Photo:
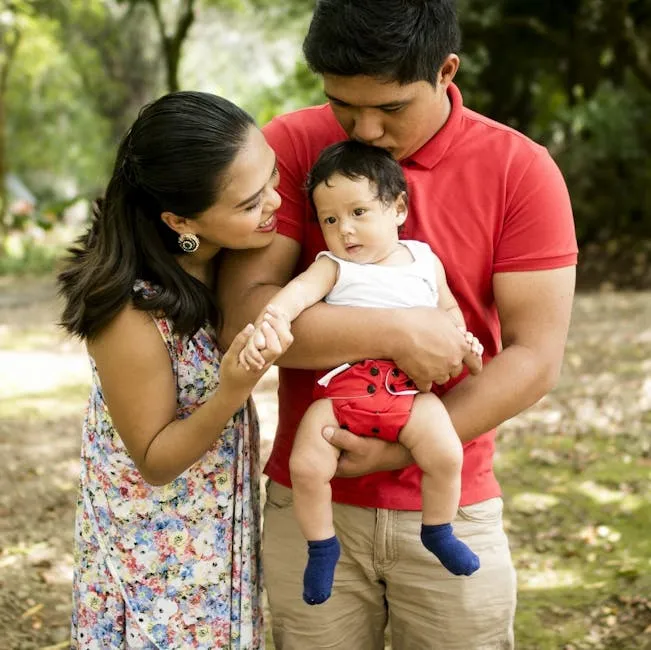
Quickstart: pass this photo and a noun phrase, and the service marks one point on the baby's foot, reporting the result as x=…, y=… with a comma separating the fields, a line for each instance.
x=454, y=555
x=320, y=570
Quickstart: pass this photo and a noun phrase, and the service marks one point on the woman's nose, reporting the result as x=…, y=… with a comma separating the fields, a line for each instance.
x=273, y=201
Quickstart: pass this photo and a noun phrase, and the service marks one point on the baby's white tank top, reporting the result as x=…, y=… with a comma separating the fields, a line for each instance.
x=374, y=285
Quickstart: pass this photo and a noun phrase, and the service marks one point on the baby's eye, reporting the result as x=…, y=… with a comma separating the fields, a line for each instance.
x=330, y=220
x=358, y=212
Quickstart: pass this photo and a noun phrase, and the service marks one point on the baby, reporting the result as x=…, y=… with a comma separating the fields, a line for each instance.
x=359, y=195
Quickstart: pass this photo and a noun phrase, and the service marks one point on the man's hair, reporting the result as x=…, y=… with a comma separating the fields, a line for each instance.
x=395, y=40
x=356, y=160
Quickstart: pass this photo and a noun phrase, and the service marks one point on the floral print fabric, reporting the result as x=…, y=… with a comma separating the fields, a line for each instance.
x=175, y=566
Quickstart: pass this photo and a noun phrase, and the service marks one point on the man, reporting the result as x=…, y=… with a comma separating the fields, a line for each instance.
x=494, y=207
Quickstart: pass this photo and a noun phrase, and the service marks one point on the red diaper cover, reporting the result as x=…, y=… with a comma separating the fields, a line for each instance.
x=363, y=400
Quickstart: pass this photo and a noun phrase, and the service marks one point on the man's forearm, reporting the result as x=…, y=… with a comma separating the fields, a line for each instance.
x=513, y=381
x=324, y=336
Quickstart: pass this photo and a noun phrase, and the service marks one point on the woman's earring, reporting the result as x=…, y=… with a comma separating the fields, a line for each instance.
x=188, y=242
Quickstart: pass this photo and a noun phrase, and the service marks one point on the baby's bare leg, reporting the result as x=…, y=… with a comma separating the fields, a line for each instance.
x=312, y=465
x=436, y=448
x=430, y=437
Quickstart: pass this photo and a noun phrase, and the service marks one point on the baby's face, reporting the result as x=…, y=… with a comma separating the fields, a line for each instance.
x=357, y=226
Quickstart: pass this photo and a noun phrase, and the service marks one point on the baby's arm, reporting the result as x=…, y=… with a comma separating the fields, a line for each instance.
x=449, y=303
x=302, y=292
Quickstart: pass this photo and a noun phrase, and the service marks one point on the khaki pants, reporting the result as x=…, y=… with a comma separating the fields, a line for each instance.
x=386, y=576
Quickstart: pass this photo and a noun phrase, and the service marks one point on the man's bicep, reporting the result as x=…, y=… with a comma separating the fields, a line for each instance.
x=248, y=278
x=535, y=308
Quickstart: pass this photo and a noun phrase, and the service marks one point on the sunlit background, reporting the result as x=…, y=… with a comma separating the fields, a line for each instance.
x=574, y=75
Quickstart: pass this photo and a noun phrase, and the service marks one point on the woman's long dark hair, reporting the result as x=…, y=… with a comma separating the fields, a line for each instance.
x=174, y=158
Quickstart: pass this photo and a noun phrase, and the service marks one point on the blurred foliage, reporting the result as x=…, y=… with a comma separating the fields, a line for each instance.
x=574, y=75
x=80, y=73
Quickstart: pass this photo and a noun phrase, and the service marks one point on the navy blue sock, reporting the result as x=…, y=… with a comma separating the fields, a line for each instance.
x=320, y=570
x=455, y=556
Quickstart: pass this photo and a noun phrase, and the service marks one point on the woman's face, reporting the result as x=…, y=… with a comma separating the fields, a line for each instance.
x=245, y=214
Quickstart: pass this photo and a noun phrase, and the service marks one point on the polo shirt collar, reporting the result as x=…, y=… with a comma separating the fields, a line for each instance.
x=435, y=148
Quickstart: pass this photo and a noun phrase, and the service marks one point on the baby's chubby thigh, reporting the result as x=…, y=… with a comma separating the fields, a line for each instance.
x=313, y=458
x=431, y=438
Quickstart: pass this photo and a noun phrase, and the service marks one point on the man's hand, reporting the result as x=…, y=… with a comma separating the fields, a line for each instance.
x=361, y=455
x=431, y=348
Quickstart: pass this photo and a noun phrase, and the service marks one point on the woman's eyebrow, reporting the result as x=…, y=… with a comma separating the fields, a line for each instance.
x=255, y=196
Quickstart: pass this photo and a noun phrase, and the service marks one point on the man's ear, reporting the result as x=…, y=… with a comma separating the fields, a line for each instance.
x=177, y=224
x=401, y=209
x=448, y=70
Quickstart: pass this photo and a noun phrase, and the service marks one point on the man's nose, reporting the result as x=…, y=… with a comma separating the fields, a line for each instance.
x=367, y=127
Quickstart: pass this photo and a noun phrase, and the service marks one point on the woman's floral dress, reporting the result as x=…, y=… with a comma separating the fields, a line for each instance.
x=176, y=566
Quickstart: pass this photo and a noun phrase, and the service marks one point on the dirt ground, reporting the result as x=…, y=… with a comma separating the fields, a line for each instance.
x=43, y=380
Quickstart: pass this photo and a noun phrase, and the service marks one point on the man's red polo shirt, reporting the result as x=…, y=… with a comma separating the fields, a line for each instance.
x=487, y=200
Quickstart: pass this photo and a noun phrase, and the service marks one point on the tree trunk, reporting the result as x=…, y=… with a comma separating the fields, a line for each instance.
x=173, y=44
x=3, y=167
x=172, y=60
x=9, y=40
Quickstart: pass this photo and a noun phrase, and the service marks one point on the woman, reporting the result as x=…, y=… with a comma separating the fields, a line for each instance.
x=167, y=530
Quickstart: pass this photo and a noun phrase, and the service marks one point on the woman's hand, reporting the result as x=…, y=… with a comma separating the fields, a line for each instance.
x=238, y=377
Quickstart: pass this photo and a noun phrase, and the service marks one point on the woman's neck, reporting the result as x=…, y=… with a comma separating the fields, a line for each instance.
x=201, y=269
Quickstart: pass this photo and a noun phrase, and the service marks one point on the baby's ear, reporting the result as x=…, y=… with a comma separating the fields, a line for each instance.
x=401, y=206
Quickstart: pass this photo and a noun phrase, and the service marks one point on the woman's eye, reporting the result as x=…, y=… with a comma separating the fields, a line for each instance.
x=253, y=206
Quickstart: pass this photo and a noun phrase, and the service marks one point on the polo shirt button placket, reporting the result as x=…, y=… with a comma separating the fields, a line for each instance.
x=370, y=389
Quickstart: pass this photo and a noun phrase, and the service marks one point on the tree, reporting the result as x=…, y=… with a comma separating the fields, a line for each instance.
x=173, y=25
x=10, y=34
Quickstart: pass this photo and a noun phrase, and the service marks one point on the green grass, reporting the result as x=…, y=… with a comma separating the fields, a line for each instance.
x=33, y=259
x=579, y=525
x=63, y=400
x=31, y=338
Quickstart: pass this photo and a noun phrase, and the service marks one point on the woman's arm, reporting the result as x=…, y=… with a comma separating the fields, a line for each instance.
x=140, y=391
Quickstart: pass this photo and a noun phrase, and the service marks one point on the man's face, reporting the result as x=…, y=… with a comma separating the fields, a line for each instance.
x=395, y=117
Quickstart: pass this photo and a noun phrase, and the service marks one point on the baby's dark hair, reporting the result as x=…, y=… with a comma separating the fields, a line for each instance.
x=357, y=160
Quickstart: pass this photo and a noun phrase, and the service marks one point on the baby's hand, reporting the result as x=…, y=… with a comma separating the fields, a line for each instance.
x=476, y=348
x=267, y=325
